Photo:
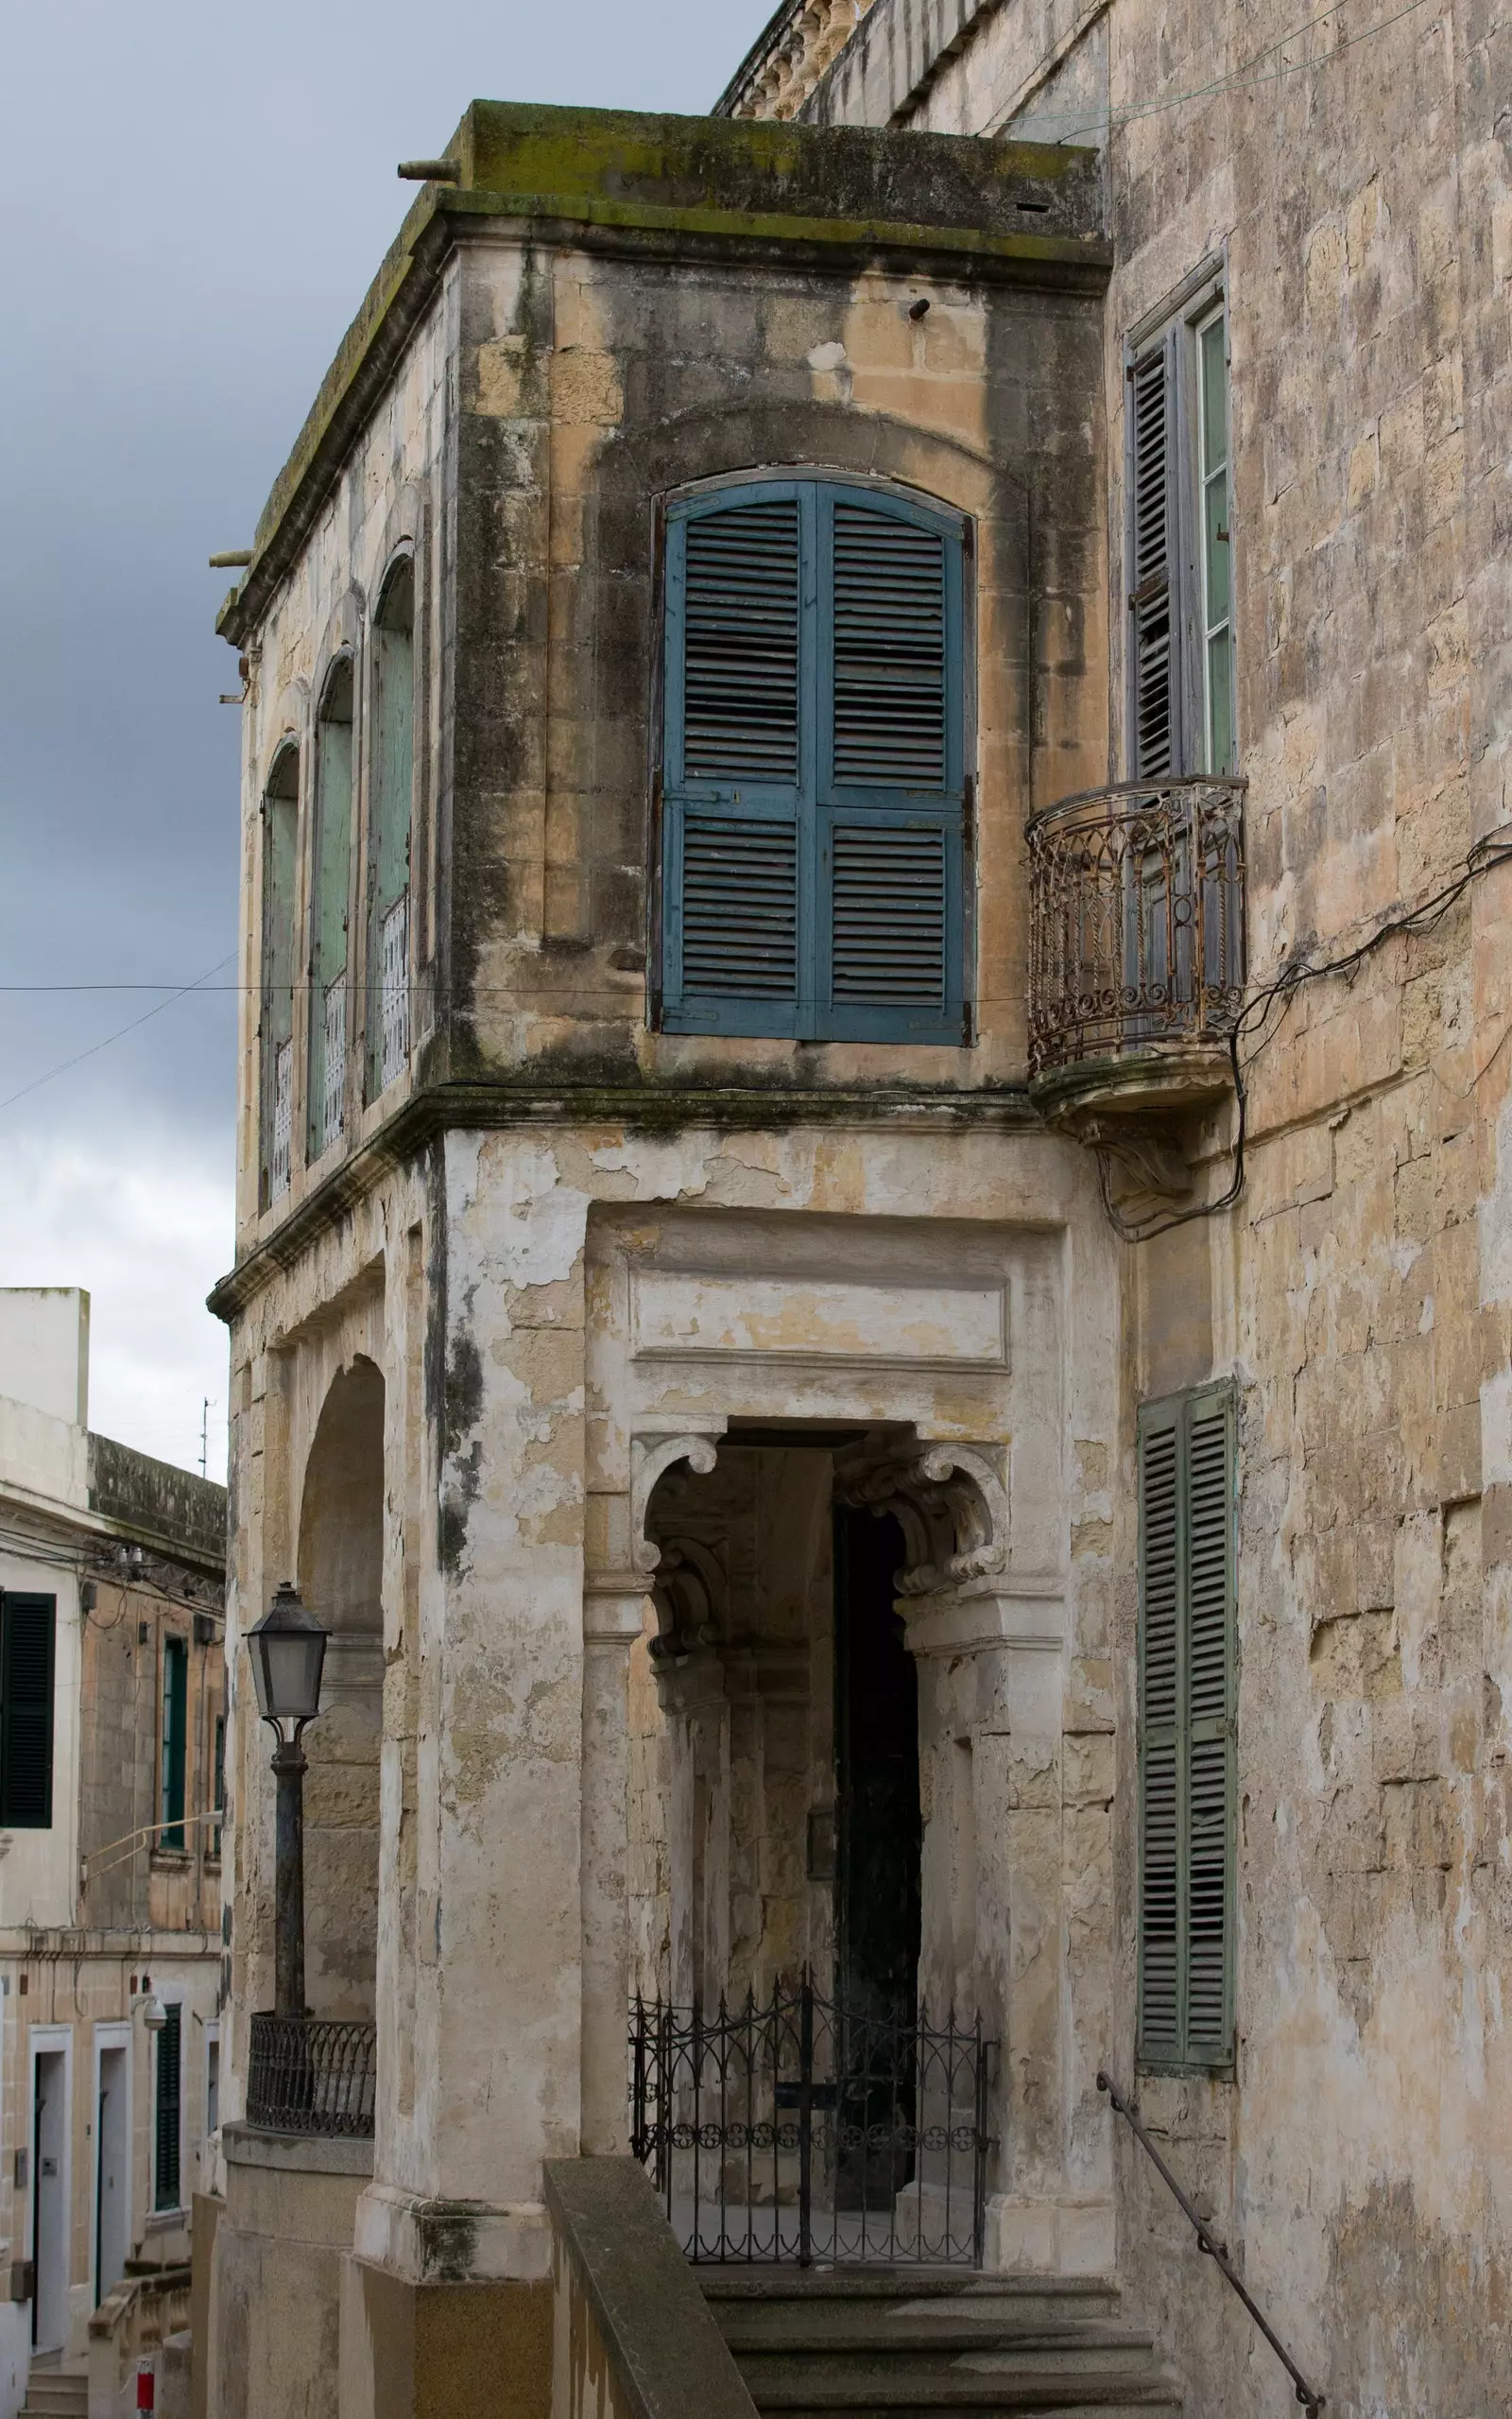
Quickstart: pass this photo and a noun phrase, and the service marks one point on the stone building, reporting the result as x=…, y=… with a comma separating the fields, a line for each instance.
x=112, y=1751
x=871, y=1266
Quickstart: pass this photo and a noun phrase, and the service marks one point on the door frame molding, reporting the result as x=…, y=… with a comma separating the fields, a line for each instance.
x=47, y=2041
x=113, y=2033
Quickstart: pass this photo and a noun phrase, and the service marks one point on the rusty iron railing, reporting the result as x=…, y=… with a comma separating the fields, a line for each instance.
x=312, y=2074
x=1209, y=2243
x=1137, y=920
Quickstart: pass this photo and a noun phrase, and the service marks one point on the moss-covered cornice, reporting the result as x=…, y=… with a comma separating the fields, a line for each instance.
x=666, y=1110
x=837, y=200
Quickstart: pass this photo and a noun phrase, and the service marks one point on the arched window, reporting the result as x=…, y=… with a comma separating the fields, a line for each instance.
x=281, y=824
x=327, y=1103
x=393, y=781
x=815, y=773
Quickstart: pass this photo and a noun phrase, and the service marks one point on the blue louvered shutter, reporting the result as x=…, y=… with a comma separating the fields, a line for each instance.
x=734, y=733
x=814, y=766
x=890, y=913
x=1187, y=1731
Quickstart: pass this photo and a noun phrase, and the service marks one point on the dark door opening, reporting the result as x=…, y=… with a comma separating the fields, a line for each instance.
x=878, y=1843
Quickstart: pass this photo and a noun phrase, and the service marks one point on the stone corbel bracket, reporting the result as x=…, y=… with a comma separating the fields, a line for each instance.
x=650, y=1459
x=683, y=1577
x=950, y=1502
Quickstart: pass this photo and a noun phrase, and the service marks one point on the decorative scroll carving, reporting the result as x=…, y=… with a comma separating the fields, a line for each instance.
x=650, y=1462
x=688, y=1593
x=949, y=1500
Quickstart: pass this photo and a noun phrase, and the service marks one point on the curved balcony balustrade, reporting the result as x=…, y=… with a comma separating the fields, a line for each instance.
x=312, y=2074
x=1137, y=947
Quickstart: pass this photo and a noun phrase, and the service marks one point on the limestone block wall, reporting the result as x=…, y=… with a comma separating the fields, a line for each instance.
x=1356, y=199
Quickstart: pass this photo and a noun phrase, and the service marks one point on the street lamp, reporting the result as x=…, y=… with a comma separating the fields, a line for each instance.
x=287, y=1648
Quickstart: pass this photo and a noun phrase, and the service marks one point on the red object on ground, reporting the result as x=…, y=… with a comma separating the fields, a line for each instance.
x=145, y=2388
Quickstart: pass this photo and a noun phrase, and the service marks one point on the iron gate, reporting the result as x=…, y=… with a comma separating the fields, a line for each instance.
x=807, y=2131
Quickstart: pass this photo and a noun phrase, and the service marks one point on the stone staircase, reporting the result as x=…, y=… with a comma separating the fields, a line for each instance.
x=56, y=2392
x=901, y=2343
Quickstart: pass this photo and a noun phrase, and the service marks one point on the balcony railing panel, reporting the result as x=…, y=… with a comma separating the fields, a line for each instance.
x=1137, y=932
x=312, y=2074
x=807, y=2131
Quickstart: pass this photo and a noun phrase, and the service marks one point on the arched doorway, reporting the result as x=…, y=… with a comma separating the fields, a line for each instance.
x=341, y=1549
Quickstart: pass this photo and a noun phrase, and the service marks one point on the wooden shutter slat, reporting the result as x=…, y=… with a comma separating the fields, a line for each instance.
x=1152, y=582
x=1207, y=1912
x=168, y=2183
x=741, y=644
x=889, y=650
x=889, y=910
x=739, y=907
x=1187, y=1733
x=1160, y=1825
x=27, y=1644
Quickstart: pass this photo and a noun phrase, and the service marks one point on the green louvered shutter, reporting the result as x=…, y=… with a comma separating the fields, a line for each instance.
x=167, y=2147
x=1154, y=583
x=813, y=787
x=1187, y=1706
x=29, y=1626
x=1160, y=1742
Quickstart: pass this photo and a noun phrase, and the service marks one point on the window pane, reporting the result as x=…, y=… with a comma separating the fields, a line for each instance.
x=1215, y=396
x=1216, y=537
x=1220, y=703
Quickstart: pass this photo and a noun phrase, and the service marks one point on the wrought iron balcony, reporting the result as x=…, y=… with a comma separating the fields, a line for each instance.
x=1137, y=945
x=312, y=2074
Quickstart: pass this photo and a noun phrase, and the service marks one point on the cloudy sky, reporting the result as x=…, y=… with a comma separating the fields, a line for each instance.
x=194, y=200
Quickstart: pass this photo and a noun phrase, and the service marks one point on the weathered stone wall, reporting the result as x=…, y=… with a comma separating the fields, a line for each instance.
x=1355, y=186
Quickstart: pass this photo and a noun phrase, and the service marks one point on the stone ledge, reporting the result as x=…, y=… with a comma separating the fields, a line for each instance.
x=303, y=2154
x=668, y=2356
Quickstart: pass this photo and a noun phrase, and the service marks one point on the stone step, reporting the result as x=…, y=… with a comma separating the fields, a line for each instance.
x=1166, y=2400
x=1069, y=2396
x=919, y=2327
x=1000, y=2299
x=899, y=2343
x=926, y=2354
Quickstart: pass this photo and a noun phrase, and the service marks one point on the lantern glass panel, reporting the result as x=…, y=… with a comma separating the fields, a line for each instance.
x=287, y=1674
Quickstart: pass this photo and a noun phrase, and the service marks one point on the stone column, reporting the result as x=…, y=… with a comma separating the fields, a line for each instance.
x=613, y=1616
x=992, y=1648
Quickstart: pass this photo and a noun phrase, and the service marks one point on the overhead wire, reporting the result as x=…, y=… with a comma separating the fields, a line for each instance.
x=1267, y=67
x=1299, y=968
x=94, y=1047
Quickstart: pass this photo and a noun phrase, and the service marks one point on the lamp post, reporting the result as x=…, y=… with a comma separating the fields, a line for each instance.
x=287, y=1648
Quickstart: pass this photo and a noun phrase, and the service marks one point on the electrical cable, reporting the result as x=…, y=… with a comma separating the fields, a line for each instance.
x=1405, y=923
x=1253, y=77
x=94, y=1047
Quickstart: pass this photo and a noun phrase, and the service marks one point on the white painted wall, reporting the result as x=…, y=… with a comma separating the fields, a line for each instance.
x=44, y=1350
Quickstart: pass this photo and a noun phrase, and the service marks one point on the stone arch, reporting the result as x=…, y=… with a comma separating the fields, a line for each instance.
x=341, y=1578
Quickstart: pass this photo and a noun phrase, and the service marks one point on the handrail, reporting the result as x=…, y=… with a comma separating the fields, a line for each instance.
x=1208, y=2241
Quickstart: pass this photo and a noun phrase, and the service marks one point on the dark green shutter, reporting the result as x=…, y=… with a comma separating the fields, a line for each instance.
x=29, y=1626
x=174, y=1714
x=167, y=2122
x=814, y=781
x=1187, y=1706
x=1154, y=586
